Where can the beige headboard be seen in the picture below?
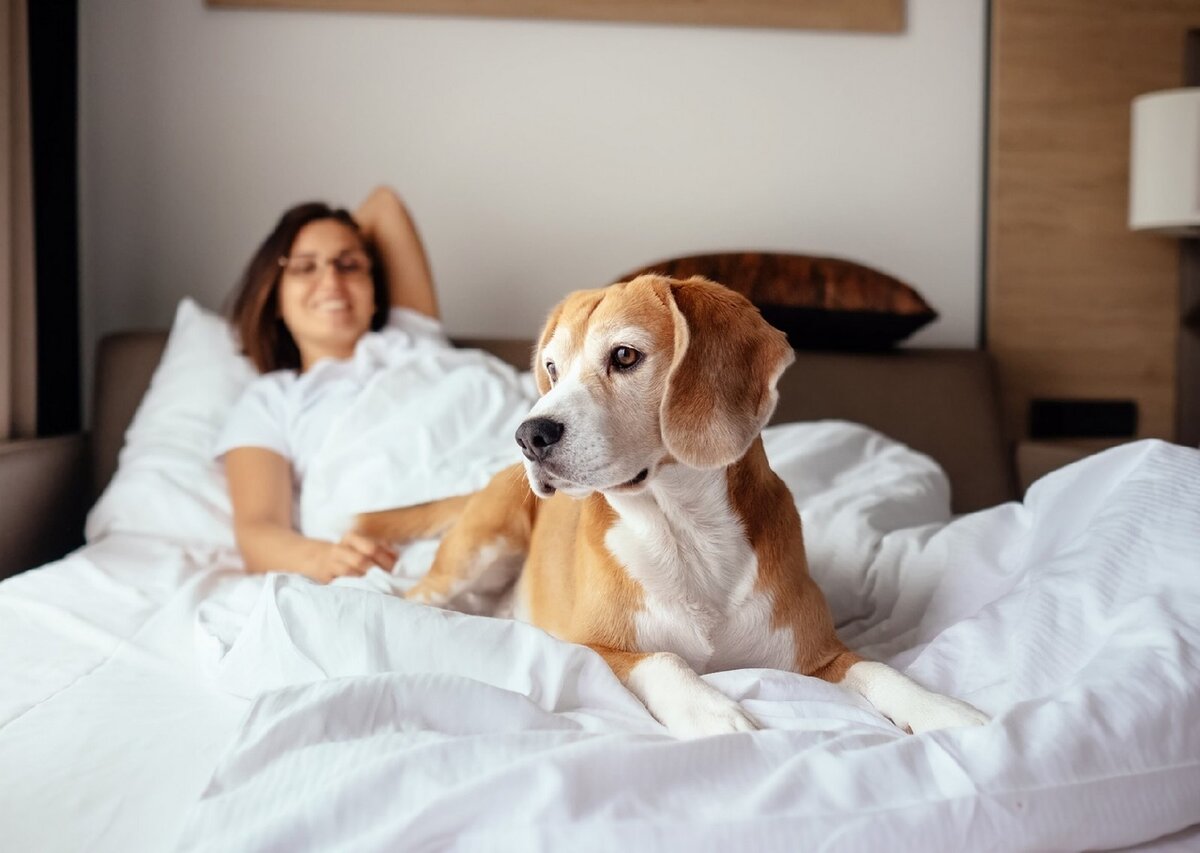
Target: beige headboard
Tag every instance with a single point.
(940, 402)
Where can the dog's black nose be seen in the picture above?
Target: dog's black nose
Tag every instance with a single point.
(537, 435)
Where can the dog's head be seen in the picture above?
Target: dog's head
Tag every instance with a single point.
(640, 374)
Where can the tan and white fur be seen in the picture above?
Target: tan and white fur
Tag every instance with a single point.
(647, 523)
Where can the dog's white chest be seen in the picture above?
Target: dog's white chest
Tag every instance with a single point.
(684, 544)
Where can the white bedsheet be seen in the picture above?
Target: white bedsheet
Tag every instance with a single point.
(153, 696)
(108, 729)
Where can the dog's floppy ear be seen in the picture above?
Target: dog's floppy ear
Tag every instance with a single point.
(721, 385)
(539, 364)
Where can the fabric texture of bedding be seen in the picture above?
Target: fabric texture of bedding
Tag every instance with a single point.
(1070, 619)
(154, 696)
(183, 703)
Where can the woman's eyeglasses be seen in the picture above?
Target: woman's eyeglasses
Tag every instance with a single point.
(308, 267)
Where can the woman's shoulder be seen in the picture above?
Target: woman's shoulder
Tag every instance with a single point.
(275, 386)
(260, 416)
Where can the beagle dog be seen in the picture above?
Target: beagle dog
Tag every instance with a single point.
(646, 523)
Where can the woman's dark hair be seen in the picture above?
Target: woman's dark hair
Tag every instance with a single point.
(254, 307)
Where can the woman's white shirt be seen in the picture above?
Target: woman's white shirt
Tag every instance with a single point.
(291, 413)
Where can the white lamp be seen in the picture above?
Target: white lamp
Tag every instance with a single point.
(1164, 197)
(1164, 163)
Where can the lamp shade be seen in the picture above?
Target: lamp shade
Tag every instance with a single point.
(1164, 167)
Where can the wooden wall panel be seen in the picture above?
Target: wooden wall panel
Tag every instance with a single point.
(1078, 306)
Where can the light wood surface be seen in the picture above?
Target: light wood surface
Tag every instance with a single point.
(863, 15)
(1078, 306)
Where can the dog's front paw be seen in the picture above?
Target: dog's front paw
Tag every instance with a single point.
(684, 702)
(424, 593)
(907, 704)
(941, 712)
(720, 716)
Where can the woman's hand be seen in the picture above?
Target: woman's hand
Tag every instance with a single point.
(260, 489)
(351, 556)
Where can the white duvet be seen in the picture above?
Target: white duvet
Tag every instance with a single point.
(180, 703)
(1072, 619)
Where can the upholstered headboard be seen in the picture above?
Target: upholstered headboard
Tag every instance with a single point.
(940, 402)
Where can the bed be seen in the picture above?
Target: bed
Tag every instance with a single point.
(155, 697)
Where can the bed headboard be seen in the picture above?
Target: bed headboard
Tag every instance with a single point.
(941, 402)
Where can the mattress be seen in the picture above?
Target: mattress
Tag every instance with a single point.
(153, 696)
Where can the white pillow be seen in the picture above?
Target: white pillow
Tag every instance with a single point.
(167, 483)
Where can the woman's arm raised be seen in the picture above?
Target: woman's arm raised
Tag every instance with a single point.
(260, 488)
(385, 221)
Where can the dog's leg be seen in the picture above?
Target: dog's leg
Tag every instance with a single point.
(482, 553)
(675, 695)
(906, 703)
(406, 523)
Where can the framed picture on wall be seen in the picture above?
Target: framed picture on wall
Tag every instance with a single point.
(880, 16)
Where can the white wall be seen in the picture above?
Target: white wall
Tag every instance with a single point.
(537, 156)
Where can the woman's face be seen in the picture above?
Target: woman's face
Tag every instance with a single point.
(326, 298)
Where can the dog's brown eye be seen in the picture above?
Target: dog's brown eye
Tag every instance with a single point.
(623, 358)
(552, 372)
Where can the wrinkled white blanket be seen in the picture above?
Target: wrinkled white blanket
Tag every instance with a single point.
(432, 424)
(1073, 619)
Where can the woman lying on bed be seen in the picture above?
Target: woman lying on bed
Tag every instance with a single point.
(323, 297)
